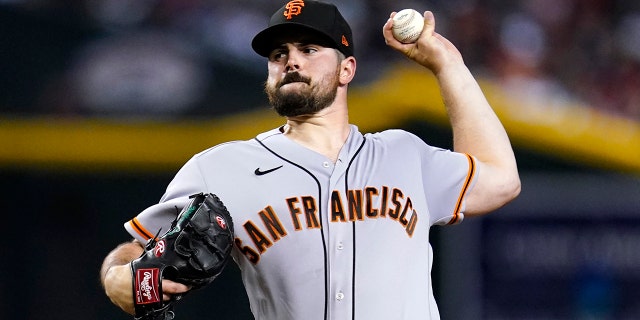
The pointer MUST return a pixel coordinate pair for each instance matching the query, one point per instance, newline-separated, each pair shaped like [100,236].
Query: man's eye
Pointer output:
[277,55]
[310,50]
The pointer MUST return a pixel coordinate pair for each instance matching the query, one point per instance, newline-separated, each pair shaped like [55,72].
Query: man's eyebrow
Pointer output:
[297,44]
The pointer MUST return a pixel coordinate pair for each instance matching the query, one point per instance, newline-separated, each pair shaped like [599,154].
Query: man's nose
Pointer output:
[293,61]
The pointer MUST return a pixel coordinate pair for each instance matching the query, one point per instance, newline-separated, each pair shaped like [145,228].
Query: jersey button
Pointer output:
[325,164]
[340,246]
[339,296]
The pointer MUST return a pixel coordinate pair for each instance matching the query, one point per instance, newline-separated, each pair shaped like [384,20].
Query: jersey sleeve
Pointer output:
[447,177]
[158,218]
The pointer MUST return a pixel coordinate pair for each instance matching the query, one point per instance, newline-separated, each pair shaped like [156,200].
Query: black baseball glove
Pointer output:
[193,252]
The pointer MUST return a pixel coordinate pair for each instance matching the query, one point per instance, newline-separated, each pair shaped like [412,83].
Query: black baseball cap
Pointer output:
[322,19]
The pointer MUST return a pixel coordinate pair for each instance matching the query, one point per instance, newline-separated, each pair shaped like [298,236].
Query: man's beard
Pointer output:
[306,101]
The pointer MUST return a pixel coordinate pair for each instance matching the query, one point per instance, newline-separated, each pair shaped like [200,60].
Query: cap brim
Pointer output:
[268,39]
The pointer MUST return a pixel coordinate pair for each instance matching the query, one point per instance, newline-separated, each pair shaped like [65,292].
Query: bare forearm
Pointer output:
[477,131]
[476,128]
[121,255]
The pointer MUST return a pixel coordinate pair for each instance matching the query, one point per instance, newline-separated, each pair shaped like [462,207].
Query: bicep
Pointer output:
[494,187]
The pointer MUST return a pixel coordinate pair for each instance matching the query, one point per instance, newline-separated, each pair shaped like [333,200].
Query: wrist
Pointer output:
[118,286]
[450,66]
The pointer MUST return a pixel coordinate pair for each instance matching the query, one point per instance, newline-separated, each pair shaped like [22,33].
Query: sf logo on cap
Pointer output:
[293,8]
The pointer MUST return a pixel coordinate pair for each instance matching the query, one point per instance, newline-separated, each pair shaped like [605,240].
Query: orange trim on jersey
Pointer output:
[465,187]
[137,226]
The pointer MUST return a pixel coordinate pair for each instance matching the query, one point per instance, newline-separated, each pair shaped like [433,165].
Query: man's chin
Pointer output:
[291,110]
[293,86]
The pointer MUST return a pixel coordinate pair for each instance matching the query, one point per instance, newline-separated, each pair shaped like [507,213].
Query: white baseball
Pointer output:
[407,25]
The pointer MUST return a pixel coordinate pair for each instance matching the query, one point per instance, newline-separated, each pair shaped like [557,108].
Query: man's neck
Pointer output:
[325,132]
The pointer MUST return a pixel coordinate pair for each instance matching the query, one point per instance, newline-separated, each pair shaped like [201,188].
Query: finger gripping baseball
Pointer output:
[193,252]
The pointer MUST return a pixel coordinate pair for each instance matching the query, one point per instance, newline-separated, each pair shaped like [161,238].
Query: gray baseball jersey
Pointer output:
[323,240]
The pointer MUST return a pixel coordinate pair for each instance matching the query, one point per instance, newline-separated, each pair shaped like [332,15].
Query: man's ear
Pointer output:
[347,70]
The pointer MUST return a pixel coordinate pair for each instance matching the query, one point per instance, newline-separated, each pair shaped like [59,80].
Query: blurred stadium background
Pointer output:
[101,101]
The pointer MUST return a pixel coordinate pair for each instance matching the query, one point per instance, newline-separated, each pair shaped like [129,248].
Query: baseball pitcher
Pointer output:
[330,222]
